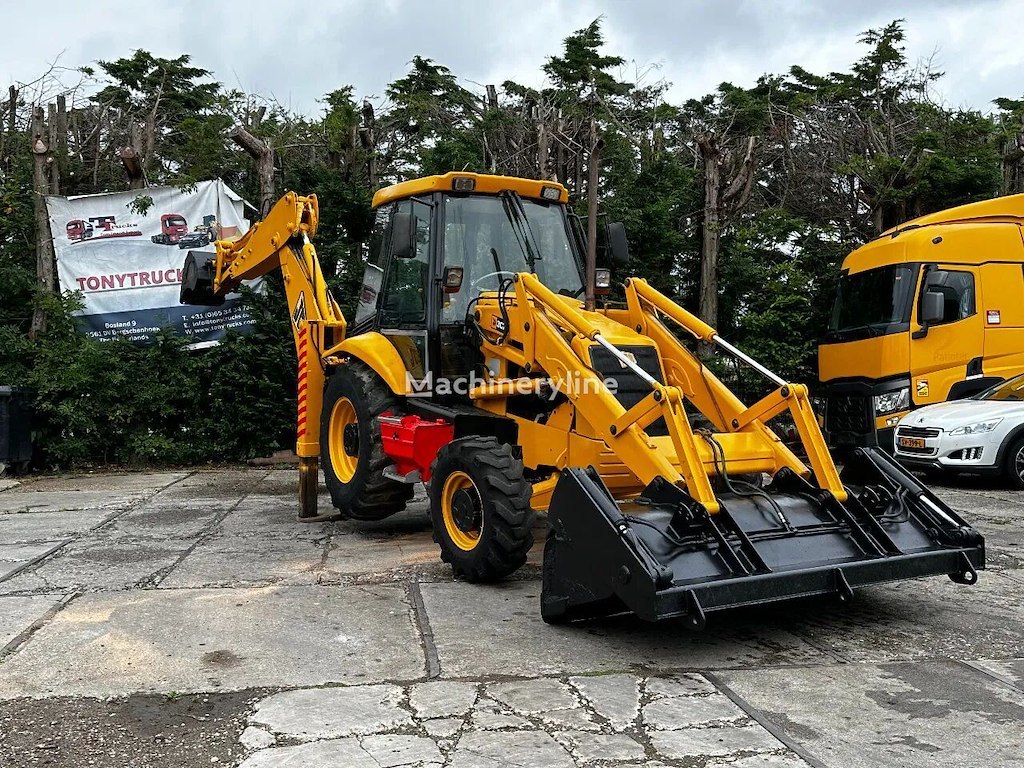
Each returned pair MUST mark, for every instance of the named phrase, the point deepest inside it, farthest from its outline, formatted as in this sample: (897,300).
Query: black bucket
(664,556)
(197,280)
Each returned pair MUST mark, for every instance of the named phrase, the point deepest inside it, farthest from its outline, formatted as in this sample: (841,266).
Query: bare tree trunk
(44,239)
(543,148)
(132,167)
(707,307)
(53,143)
(368,136)
(264,156)
(593,175)
(720,202)
(7,140)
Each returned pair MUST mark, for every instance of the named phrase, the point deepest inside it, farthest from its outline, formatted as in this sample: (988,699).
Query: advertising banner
(127,265)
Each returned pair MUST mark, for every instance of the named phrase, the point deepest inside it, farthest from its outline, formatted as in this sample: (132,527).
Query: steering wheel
(474,283)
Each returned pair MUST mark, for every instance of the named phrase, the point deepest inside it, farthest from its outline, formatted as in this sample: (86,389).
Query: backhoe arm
(281,241)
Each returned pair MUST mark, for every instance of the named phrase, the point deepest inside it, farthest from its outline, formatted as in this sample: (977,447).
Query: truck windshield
(873,303)
(481,236)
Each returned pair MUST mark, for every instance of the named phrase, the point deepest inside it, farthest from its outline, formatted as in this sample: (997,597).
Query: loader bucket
(197,280)
(663,556)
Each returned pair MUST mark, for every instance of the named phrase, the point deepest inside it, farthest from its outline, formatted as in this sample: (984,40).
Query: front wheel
(1014,464)
(480,508)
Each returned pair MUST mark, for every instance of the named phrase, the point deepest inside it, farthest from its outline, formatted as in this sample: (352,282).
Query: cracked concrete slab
(34,527)
(613,697)
(217,639)
(17,614)
(107,564)
(516,642)
(519,749)
(328,713)
(920,619)
(85,492)
(225,561)
(929,714)
(15,557)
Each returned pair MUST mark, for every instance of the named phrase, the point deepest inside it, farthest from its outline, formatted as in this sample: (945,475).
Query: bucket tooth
(664,556)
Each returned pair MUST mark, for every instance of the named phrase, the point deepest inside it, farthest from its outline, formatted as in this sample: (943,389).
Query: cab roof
(482,184)
(973,221)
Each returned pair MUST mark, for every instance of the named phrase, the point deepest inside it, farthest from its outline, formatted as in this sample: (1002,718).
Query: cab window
(374,273)
(957,289)
(407,281)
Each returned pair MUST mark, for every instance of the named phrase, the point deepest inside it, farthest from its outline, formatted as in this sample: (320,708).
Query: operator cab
(440,242)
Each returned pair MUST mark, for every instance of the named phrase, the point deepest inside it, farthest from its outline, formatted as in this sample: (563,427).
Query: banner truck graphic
(127,265)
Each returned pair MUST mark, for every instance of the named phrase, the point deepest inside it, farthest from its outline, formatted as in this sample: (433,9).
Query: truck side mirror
(933,307)
(617,243)
(403,235)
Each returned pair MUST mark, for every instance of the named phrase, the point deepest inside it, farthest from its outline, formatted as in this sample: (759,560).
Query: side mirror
(403,235)
(933,307)
(617,243)
(452,280)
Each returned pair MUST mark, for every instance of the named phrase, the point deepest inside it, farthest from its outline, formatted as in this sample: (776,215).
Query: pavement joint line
(422,621)
(154,579)
(1001,679)
(764,722)
(25,635)
(38,558)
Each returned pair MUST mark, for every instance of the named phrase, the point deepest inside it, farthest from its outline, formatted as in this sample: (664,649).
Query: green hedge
(113,402)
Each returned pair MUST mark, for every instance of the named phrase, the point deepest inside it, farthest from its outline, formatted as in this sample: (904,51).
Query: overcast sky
(299,51)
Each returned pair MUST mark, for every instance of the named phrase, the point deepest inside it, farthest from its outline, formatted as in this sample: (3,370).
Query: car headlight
(978,428)
(891,402)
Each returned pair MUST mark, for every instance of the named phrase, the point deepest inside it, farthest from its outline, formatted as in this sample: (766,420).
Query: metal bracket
(695,616)
(843,588)
(966,574)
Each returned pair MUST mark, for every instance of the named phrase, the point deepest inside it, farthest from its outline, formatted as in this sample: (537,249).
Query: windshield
(480,237)
(1012,389)
(873,303)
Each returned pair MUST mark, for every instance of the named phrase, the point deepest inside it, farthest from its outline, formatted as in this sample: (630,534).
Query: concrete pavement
(186,618)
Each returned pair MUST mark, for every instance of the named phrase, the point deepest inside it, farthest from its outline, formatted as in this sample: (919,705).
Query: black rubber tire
(368,495)
(1014,474)
(506,529)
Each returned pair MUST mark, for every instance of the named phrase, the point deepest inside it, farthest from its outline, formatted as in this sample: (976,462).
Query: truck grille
(849,414)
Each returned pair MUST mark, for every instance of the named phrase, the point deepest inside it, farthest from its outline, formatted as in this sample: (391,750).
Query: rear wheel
(480,508)
(351,450)
(1014,464)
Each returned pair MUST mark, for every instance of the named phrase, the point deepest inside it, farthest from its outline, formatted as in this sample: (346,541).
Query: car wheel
(1014,464)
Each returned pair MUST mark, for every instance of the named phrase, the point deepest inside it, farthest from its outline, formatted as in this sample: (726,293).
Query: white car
(981,434)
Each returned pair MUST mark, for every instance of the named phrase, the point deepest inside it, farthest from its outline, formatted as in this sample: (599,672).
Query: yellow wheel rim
(463,534)
(343,414)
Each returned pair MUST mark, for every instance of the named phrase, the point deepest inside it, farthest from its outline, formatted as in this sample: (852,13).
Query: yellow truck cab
(931,310)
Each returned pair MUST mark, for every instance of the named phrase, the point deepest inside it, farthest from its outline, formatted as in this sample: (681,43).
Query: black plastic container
(15,428)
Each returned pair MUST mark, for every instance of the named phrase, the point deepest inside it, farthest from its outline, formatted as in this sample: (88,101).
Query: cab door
(404,304)
(944,352)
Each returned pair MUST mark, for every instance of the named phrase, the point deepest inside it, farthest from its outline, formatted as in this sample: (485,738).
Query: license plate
(911,442)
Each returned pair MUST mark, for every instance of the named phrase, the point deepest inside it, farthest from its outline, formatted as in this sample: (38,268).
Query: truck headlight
(978,428)
(891,402)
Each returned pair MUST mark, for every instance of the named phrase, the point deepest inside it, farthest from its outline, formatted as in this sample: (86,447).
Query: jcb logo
(299,315)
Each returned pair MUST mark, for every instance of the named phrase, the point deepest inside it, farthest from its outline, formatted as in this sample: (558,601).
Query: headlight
(891,402)
(979,428)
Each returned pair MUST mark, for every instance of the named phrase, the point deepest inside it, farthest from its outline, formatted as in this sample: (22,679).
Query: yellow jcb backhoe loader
(472,365)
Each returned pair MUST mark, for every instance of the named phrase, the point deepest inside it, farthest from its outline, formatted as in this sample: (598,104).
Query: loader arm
(281,240)
(546,318)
